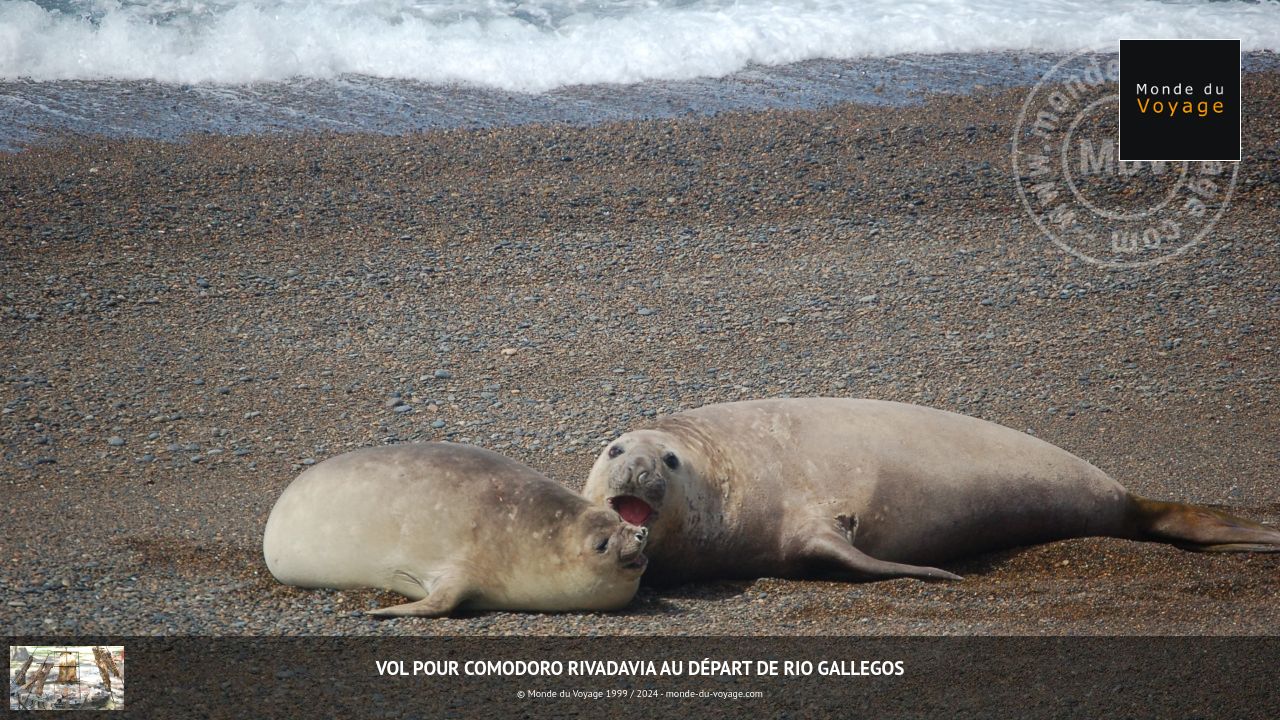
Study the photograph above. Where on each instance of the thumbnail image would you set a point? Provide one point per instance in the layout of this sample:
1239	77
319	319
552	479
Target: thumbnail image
66	677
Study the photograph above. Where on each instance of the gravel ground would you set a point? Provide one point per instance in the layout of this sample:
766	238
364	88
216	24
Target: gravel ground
186	326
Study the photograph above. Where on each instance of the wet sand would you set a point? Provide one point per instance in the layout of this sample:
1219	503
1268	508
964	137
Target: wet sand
187	325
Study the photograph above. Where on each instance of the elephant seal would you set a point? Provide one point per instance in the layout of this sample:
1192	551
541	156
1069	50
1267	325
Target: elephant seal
869	489
448	526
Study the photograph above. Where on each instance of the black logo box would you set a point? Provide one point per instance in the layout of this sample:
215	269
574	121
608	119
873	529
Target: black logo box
1158	78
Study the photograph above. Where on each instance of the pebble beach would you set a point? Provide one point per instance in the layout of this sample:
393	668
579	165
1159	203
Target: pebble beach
188	325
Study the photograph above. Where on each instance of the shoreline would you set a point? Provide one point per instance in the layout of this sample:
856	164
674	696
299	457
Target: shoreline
231	307
44	114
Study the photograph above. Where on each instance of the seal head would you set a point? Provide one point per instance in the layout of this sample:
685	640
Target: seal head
609	563
643	476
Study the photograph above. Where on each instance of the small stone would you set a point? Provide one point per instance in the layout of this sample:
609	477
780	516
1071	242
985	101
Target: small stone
308	461
402	409
202	282
442	375
437	424
222	390
251	414
240	452
115	441
645	311
868	298
509	351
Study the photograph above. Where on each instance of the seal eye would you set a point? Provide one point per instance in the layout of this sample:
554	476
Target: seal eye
602	545
671	461
615	451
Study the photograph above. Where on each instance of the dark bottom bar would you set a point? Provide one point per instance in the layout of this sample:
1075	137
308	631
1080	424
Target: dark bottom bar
640	677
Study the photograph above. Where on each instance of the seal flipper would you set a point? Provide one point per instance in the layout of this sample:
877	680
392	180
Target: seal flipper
1199	529
443	597
831	548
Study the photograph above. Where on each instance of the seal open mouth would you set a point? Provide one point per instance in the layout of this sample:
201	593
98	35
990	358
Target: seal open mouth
638	564
632	509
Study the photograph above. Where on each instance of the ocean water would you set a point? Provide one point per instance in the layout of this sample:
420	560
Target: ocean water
163	68
538	45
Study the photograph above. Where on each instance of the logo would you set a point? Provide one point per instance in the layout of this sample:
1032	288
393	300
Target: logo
1091	204
1180	100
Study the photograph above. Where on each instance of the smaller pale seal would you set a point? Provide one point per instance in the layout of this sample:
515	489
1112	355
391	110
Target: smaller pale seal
451	526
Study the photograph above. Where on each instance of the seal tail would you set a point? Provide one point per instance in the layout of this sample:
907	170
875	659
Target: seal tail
1199	529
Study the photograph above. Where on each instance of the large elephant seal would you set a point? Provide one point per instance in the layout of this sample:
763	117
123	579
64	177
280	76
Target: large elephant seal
451	525
867	488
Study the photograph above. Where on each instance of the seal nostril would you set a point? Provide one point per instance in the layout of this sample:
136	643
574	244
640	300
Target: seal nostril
643	534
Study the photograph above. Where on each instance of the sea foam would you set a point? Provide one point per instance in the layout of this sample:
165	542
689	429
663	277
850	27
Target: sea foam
543	44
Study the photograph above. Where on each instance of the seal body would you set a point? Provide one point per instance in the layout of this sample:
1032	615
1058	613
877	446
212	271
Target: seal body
448	526
868	489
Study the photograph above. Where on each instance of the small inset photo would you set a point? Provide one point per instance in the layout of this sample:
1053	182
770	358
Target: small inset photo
66	677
